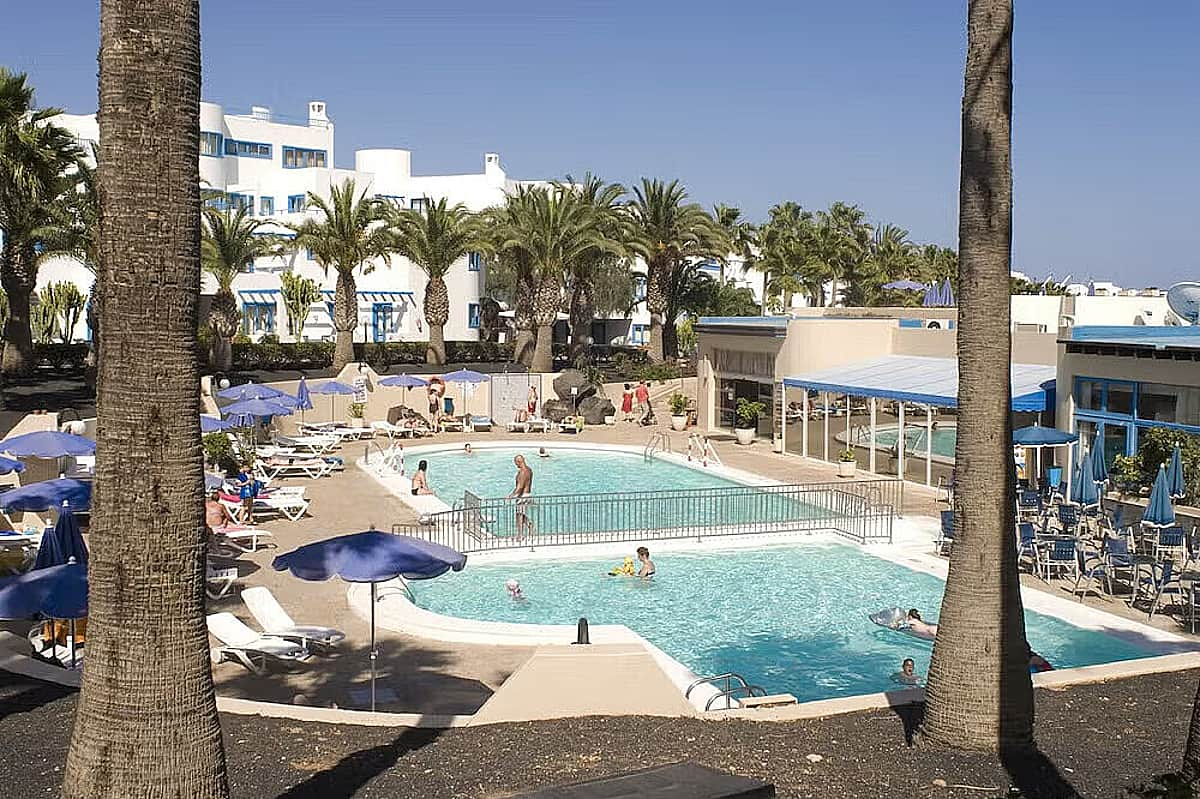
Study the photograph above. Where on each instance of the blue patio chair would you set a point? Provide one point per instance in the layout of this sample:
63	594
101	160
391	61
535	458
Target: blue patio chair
1068	517
1029	503
1090	567
945	539
1160	583
1027	545
1171	544
1059	558
1118	558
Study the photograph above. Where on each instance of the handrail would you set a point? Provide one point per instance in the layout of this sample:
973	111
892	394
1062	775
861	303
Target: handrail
730	688
658	441
387	456
708	452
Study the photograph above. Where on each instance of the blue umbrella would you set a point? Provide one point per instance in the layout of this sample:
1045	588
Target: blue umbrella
59	592
1099	467
47	444
1159	511
370	557
403	381
62	544
466	376
1175	474
931	296
249	391
1039	436
211	424
905	285
1083	490
947	294
333	388
245	412
10	465
47	494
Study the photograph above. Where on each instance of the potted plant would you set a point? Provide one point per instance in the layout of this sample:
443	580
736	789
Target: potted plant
746	426
678	406
357	409
847	463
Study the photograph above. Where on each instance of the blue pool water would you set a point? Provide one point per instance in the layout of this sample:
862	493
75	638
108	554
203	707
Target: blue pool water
944	439
562	481
789	618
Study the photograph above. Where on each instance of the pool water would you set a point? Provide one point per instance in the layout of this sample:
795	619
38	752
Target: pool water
944	439
789	618
491	473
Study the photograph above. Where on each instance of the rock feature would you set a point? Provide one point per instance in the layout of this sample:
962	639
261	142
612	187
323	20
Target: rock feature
593	409
556	410
573	378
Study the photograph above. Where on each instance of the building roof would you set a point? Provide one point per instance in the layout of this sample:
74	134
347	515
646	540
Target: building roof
775	326
1136	336
929	381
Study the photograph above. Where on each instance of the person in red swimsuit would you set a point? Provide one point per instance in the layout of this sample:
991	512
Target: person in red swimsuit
627	402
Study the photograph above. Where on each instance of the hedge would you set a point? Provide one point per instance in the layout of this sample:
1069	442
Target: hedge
309	355
61	357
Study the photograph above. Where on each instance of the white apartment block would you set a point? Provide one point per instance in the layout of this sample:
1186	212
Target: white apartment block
270	166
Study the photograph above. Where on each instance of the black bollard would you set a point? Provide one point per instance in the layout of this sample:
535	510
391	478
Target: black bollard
581	637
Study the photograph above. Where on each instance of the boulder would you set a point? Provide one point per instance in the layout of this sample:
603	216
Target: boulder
556	410
573	378
593	409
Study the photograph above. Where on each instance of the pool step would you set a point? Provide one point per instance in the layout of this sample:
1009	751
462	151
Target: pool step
770	700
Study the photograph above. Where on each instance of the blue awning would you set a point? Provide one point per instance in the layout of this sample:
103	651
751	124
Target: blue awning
373	296
929	381
258	296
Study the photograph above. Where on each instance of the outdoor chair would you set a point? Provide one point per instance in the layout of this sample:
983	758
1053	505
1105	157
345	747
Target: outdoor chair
1161	582
481	424
946	485
1068	518
1029	504
311	443
1027	545
1089	568
279	468
245	539
1171	544
243	645
945	540
1119	560
1059	559
219	581
394	431
274	620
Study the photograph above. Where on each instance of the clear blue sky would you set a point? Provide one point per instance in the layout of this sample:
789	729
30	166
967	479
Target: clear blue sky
747	103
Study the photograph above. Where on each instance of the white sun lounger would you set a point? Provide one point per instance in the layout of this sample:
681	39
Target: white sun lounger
394	431
274	620
247	539
292	506
320	443
243	645
308	467
219	580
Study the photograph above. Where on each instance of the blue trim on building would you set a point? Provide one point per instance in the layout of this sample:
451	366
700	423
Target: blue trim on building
1158	337
212	137
296	203
248	149
304	158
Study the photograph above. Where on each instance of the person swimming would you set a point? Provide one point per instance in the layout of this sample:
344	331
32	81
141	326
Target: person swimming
1037	663
647	571
514	590
907	674
542	453
918	626
467	449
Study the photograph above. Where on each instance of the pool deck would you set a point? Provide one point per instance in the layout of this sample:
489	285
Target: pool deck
434	676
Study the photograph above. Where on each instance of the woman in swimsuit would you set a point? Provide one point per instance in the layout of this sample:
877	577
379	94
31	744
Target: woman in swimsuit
420	482
532	401
647	570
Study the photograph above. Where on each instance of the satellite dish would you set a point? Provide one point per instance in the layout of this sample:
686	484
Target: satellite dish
1184	300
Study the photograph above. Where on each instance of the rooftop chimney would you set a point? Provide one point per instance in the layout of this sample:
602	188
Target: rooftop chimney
316	113
260	112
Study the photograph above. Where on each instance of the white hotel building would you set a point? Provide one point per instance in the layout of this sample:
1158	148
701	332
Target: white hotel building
271	166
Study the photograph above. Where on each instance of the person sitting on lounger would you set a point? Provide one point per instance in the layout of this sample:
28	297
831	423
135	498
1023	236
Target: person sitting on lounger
420	480
216	515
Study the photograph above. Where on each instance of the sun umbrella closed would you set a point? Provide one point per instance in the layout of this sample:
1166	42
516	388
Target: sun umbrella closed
371	557
1175	484
1159	511
1099	467
62	544
303	400
1083	491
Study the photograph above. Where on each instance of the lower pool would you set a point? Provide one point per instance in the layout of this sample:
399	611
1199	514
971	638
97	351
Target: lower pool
789	618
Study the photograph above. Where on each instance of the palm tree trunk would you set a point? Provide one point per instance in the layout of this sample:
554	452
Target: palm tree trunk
345	319
147	722
1191	753
435	351
979	693
526	334
18	356
437	312
581	313
220	354
657	275
545	313
543	350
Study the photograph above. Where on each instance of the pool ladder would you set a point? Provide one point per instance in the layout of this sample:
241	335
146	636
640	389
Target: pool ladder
659	442
730	688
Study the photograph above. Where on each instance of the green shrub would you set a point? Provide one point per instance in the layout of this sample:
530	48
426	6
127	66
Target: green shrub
1155	446
748	412
1126	473
61	357
218	452
678	404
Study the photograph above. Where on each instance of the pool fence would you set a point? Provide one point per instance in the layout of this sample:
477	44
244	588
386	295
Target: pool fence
860	510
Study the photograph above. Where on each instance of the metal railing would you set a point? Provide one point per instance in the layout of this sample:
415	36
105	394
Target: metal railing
861	510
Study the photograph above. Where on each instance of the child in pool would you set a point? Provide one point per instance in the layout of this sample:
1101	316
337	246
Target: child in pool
514	590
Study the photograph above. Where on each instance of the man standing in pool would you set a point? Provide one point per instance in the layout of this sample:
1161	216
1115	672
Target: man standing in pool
521	493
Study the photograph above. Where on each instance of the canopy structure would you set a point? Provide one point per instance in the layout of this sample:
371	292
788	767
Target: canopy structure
906	285
924	380
211	424
373	296
1040	436
10	465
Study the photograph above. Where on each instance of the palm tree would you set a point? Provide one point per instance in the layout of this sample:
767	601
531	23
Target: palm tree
595	265
34	157
147	722
788	257
510	274
230	242
667	231
348	234
434	238
979	694
739	232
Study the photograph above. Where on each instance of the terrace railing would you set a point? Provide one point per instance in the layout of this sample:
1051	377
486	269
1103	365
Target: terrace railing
861	510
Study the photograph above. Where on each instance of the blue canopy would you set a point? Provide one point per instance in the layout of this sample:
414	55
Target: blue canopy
59	592
211	424
466	376
10	465
333	387
905	285
47	494
47	444
1083	489
1159	512
946	295
1099	467
403	381
931	296
256	407
62	544
370	557
248	391
1175	483
303	401
1038	436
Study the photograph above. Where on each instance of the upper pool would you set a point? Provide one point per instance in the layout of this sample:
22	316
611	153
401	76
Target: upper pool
789	618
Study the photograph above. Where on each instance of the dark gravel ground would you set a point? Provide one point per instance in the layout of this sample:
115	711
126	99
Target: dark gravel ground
1096	741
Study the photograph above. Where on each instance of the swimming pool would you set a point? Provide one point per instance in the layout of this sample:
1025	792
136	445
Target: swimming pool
789	617
944	440
597	491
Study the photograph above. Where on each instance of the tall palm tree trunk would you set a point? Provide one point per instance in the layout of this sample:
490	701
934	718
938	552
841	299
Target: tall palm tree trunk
656	304
526	335
345	319
979	691
1191	754
437	312
18	334
147	723
582	312
545	313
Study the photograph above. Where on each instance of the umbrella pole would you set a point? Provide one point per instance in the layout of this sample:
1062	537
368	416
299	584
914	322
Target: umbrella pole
72	644
374	654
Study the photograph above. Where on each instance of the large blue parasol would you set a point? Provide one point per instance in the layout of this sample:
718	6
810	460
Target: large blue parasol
59	592
370	557
1175	484
248	391
47	444
37	497
1040	436
1159	511
62	544
10	465
333	388
246	412
905	285
403	381
211	424
1083	490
